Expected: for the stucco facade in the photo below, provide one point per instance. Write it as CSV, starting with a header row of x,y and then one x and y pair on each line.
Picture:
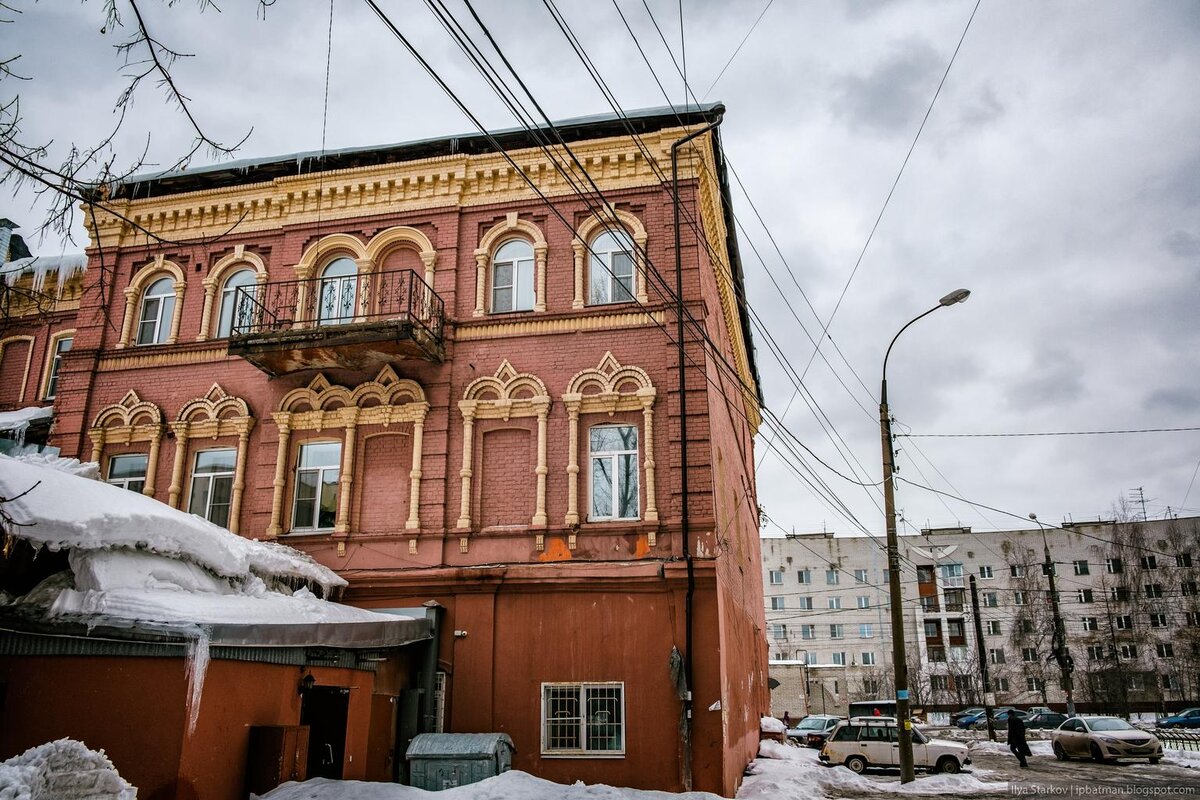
x,y
457,450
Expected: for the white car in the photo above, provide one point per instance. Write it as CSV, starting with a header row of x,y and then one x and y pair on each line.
x,y
874,742
1104,738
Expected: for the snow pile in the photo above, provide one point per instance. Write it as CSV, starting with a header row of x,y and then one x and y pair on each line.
x,y
64,266
62,770
999,748
505,786
785,771
15,423
771,725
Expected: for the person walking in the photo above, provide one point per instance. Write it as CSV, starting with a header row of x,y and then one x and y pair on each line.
x,y
1016,739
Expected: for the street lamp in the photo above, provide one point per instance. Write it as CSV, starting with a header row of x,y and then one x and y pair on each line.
x,y
899,662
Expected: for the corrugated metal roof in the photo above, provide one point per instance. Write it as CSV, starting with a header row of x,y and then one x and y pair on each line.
x,y
458,745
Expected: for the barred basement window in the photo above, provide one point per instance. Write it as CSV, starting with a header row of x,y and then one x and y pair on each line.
x,y
582,719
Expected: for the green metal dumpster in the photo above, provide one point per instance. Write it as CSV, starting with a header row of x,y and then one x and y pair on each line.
x,y
439,761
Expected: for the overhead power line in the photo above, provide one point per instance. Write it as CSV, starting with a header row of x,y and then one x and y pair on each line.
x,y
1040,433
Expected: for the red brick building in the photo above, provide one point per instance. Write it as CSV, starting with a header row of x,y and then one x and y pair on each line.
x,y
447,386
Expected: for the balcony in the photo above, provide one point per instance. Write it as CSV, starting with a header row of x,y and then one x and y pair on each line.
x,y
357,322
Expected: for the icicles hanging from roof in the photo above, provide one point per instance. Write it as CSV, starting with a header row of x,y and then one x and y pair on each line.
x,y
64,266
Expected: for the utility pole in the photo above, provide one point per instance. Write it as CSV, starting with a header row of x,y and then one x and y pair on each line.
x,y
1058,644
983,665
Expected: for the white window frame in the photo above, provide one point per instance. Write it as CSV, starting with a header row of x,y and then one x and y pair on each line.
x,y
1124,622
860,576
864,601
600,265
867,658
583,752
779,604
320,471
831,577
1085,596
866,630
775,576
524,279
1113,566
837,631
804,576
985,572
1082,567
806,603
778,630
835,603
1029,655
996,655
1165,650
808,632
226,310
211,478
1149,562
161,321
1158,620
614,456
54,361
1091,624
839,659
1129,651
991,600
124,482
993,628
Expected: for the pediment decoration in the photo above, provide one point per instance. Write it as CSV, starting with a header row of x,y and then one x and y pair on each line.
x,y
130,411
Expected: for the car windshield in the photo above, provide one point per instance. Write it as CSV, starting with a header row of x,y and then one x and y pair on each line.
x,y
811,724
918,737
1191,712
1109,724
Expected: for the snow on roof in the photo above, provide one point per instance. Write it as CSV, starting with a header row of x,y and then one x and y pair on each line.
x,y
62,511
64,266
19,419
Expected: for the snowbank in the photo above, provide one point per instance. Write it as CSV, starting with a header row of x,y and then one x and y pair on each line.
x,y
72,513
509,785
771,725
62,770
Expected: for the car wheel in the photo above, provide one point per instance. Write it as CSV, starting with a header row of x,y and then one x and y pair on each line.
x,y
948,765
1059,753
1096,754
856,764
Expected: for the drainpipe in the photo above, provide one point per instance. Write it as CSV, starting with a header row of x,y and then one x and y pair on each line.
x,y
683,453
433,612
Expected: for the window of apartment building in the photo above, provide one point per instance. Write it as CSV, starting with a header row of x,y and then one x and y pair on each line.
x,y
1084,596
1091,624
1096,652
228,315
924,574
870,686
806,604
835,631
985,572
835,603
955,599
1124,622
1129,651
804,576
937,654
939,683
929,603
1119,593
996,655
1191,619
1017,571
512,277
993,627
952,574
128,471
157,312
955,629
868,658
831,577
778,630
1113,566
1135,683
866,630
1188,589
1001,684
1019,598
1082,568
932,630
610,275
1158,620
1153,590
1149,562
1029,654
839,659
1170,682
860,576
583,718
864,601
212,485
337,299
1183,560
614,459
1165,650
1034,684
317,471
1026,626
775,576
778,604
808,631
60,347
991,600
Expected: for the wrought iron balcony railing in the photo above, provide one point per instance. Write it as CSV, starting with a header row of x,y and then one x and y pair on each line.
x,y
279,307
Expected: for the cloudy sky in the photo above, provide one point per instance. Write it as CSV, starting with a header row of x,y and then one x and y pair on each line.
x,y
1057,177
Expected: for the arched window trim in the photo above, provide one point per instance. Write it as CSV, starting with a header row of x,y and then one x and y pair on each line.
x,y
515,281
511,227
402,236
159,268
216,279
592,227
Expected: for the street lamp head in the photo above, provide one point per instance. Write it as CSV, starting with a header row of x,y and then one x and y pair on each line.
x,y
1033,516
957,296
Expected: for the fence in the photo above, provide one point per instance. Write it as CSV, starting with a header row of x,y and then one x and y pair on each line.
x,y
1175,739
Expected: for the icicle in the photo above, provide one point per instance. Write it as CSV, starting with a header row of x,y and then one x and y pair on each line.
x,y
197,669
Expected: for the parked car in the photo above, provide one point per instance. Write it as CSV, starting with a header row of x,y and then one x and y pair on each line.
x,y
813,730
864,742
999,717
1103,739
966,712
1039,710
1045,721
968,722
1188,718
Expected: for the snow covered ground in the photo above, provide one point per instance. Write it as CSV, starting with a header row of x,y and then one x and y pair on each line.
x,y
62,770
512,785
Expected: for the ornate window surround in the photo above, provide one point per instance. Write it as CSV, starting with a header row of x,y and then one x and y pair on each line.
x,y
215,280
392,238
319,254
505,385
592,227
209,417
147,275
51,346
321,405
511,227
602,390
4,343
136,420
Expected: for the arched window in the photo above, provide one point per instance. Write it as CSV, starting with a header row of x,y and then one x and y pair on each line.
x,y
512,277
158,308
611,268
339,282
228,314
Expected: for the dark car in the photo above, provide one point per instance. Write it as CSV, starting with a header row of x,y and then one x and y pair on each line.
x,y
1045,721
999,717
969,722
1188,718
813,730
966,712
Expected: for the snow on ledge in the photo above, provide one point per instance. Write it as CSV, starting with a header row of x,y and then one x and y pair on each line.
x,y
23,416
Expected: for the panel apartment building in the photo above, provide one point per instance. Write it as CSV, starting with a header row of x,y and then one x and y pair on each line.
x,y
448,372
1127,594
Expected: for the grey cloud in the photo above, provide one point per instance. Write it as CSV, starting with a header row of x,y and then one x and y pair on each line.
x,y
1182,244
1177,399
891,96
1053,379
985,108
